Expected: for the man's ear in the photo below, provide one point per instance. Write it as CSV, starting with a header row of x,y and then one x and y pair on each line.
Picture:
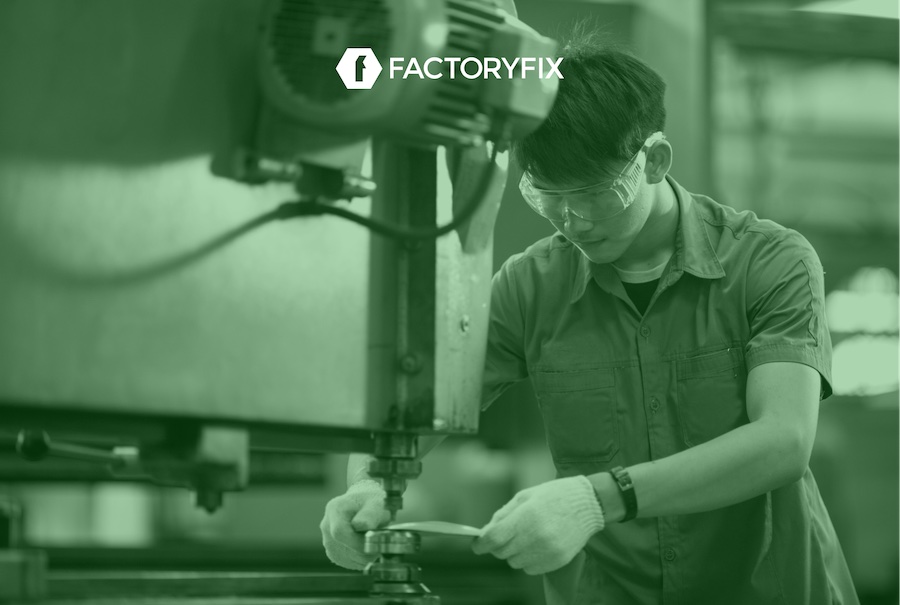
x,y
659,161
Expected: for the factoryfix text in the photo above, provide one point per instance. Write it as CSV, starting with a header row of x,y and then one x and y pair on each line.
x,y
360,68
473,68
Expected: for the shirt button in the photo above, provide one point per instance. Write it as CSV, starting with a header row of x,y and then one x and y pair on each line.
x,y
669,554
654,403
645,331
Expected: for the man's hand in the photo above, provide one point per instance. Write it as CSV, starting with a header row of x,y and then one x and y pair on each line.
x,y
542,528
346,520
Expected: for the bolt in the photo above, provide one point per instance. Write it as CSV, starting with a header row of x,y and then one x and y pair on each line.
x,y
464,323
33,445
357,186
410,363
209,500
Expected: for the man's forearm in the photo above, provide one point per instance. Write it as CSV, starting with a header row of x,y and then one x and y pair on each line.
x,y
739,465
358,464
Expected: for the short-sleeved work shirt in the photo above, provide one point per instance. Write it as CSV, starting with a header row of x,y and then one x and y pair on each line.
x,y
616,387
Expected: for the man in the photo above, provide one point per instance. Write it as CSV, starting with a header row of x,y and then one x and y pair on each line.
x,y
679,351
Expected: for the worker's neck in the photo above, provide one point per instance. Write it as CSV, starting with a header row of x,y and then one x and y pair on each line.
x,y
656,242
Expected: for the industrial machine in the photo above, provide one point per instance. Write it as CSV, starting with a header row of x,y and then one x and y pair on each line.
x,y
211,247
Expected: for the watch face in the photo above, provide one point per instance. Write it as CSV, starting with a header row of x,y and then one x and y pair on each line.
x,y
623,480
622,477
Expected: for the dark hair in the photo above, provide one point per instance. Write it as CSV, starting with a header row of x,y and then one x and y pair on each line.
x,y
608,103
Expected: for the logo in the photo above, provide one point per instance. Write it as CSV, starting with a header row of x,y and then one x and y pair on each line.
x,y
358,68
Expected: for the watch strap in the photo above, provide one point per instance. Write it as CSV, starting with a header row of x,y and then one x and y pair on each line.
x,y
626,487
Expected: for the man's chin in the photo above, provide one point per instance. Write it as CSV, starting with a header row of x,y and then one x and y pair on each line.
x,y
600,254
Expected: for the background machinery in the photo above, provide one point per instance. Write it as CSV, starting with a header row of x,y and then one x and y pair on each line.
x,y
149,324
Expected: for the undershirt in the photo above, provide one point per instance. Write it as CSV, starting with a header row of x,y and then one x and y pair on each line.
x,y
640,285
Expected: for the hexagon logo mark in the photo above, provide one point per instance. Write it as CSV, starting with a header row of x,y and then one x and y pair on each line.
x,y
358,68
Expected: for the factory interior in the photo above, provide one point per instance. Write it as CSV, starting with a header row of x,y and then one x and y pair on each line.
x,y
172,433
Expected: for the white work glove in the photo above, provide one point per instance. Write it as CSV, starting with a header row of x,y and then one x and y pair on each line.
x,y
347,519
542,528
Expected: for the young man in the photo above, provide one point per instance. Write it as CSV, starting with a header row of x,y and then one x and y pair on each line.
x,y
679,351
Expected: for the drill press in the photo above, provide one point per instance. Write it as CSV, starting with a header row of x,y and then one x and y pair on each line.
x,y
395,462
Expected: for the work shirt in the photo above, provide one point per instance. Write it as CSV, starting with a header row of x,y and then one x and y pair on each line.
x,y
617,387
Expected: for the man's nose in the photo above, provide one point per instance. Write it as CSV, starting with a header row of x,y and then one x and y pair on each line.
x,y
575,224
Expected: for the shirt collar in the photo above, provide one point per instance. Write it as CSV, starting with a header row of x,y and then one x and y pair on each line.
x,y
693,251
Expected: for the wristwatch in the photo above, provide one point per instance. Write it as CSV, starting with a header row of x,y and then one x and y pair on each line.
x,y
626,487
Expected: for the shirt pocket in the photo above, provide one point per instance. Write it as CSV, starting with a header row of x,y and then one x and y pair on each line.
x,y
711,394
579,410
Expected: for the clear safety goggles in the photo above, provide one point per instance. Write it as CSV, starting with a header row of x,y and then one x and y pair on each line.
x,y
594,202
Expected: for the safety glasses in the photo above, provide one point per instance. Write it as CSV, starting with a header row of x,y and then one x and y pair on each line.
x,y
595,202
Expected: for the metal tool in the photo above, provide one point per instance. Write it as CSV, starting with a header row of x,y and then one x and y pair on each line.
x,y
392,575
208,460
395,462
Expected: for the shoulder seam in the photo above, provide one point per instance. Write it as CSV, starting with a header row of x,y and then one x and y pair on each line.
x,y
769,234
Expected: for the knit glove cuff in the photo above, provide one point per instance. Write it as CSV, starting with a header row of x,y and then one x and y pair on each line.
x,y
586,505
365,486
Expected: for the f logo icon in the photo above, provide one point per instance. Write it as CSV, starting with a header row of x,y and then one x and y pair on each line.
x,y
358,68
